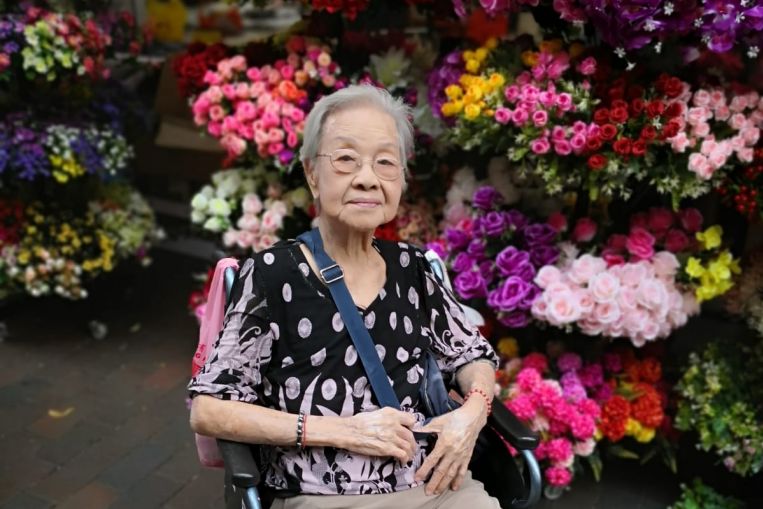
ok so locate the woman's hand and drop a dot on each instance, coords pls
(384, 432)
(457, 432)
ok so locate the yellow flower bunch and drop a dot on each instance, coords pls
(65, 168)
(469, 96)
(710, 238)
(715, 275)
(508, 347)
(638, 431)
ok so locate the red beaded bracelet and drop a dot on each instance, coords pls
(482, 393)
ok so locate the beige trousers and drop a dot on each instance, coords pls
(471, 495)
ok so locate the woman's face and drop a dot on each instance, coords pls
(360, 200)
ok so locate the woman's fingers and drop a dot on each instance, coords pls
(444, 472)
(459, 480)
(407, 419)
(429, 463)
(407, 436)
(398, 453)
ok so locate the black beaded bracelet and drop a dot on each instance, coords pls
(300, 429)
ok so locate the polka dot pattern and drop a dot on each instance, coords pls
(294, 351)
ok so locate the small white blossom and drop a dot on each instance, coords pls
(752, 52)
(668, 9)
(620, 52)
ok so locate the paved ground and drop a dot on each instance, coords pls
(92, 424)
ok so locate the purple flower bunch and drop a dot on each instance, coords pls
(11, 33)
(724, 22)
(31, 150)
(22, 151)
(496, 255)
(632, 24)
(448, 72)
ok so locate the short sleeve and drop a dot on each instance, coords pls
(455, 340)
(243, 349)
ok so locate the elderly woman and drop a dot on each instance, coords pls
(285, 348)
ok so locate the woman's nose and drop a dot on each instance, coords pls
(366, 177)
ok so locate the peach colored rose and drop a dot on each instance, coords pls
(546, 275)
(631, 274)
(606, 312)
(585, 301)
(246, 239)
(604, 287)
(626, 298)
(249, 222)
(251, 204)
(665, 264)
(562, 309)
(271, 221)
(230, 238)
(651, 294)
(585, 267)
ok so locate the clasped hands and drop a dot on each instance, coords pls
(389, 432)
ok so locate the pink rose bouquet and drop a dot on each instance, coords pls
(259, 112)
(637, 300)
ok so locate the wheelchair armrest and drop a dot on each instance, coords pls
(239, 463)
(511, 428)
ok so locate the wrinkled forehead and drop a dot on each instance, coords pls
(360, 125)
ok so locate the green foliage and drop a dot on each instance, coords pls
(720, 394)
(701, 496)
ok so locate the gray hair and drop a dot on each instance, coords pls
(355, 95)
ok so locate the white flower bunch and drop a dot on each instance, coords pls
(213, 205)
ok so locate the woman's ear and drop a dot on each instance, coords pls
(311, 177)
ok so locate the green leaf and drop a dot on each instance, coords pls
(518, 154)
(621, 452)
(648, 456)
(594, 461)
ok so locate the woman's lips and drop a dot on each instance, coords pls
(366, 204)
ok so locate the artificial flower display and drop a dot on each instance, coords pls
(561, 412)
(36, 43)
(639, 286)
(573, 124)
(496, 254)
(46, 250)
(720, 402)
(629, 25)
(742, 188)
(258, 112)
(247, 207)
(32, 151)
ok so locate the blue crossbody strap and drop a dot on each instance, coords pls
(332, 275)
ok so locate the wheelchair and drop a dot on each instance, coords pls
(515, 486)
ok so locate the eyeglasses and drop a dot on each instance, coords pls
(346, 162)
